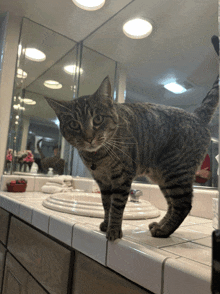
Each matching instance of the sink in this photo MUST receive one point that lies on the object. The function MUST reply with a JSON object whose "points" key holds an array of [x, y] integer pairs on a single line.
{"points": [[90, 204]]}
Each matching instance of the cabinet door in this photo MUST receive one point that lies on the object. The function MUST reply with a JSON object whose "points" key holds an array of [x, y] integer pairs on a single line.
{"points": [[2, 263], [47, 261], [4, 221], [17, 280], [90, 277]]}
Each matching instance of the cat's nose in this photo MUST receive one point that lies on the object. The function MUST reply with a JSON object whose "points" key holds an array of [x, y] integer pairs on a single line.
{"points": [[89, 139]]}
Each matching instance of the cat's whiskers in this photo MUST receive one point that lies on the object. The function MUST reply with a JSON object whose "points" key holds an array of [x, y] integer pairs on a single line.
{"points": [[114, 145], [121, 142], [110, 151]]}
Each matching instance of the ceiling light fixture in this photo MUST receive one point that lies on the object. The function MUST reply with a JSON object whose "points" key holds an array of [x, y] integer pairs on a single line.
{"points": [[29, 101], [34, 54], [137, 28], [89, 5], [72, 69], [21, 74], [175, 88], [52, 84]]}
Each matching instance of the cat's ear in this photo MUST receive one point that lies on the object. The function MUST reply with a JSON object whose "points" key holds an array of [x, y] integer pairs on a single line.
{"points": [[57, 105], [105, 88]]}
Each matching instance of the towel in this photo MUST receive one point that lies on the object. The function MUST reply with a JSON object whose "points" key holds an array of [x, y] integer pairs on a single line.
{"points": [[49, 189], [61, 179]]}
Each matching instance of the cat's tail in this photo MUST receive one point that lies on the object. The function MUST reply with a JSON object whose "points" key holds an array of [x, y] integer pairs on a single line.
{"points": [[39, 149], [209, 104]]}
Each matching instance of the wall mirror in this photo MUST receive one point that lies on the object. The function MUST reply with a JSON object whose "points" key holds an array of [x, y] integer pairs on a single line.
{"points": [[63, 71], [179, 49], [43, 57]]}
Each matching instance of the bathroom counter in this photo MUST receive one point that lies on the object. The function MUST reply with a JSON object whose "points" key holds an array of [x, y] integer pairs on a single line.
{"points": [[178, 264]]}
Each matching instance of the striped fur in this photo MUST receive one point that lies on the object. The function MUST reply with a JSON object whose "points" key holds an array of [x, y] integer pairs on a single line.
{"points": [[122, 141]]}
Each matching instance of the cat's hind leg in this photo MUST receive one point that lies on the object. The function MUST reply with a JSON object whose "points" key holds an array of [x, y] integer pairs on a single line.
{"points": [[179, 199]]}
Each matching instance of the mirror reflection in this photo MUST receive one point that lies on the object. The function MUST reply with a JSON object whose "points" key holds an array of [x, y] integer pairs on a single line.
{"points": [[175, 50], [46, 66]]}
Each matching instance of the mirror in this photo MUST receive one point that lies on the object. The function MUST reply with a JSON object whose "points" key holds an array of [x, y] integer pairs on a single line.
{"points": [[179, 49], [42, 57]]}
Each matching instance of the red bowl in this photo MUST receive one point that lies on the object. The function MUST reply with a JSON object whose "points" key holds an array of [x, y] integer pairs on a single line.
{"points": [[17, 188]]}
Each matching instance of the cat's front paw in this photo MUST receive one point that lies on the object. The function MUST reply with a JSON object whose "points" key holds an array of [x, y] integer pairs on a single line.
{"points": [[113, 234], [157, 231], [103, 227]]}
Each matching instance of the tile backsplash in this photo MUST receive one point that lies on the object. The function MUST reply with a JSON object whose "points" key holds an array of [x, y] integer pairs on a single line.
{"points": [[203, 203]]}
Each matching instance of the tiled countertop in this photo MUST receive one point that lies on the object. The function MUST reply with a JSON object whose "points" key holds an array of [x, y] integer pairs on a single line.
{"points": [[179, 264]]}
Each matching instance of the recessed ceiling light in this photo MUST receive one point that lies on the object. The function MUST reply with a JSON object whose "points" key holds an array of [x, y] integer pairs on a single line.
{"points": [[90, 5], [175, 88], [72, 69], [21, 74], [52, 84], [137, 28], [34, 54], [29, 101]]}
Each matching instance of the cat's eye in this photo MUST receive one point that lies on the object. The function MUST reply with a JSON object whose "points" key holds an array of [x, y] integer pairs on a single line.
{"points": [[97, 120], [74, 125]]}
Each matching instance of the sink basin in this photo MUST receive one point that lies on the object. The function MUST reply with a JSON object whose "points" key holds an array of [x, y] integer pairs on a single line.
{"points": [[90, 204]]}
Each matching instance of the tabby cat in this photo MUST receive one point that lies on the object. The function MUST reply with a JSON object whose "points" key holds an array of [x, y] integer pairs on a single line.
{"points": [[118, 142], [54, 162]]}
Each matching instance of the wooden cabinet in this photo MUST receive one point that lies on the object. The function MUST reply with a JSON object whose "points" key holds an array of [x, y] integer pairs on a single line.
{"points": [[2, 263], [90, 277], [17, 280], [33, 263], [45, 259], [4, 221]]}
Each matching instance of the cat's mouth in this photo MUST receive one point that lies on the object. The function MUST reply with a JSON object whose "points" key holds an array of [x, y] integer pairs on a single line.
{"points": [[93, 146]]}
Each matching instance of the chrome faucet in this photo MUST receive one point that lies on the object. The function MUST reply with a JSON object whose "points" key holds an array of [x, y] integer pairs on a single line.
{"points": [[135, 195]]}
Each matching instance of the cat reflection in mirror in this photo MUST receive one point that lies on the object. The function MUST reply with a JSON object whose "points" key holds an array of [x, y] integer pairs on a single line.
{"points": [[117, 142], [54, 162]]}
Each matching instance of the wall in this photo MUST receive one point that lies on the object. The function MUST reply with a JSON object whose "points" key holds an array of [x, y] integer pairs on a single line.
{"points": [[10, 30]]}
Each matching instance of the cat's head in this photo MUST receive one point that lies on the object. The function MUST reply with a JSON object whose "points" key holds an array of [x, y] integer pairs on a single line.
{"points": [[89, 121]]}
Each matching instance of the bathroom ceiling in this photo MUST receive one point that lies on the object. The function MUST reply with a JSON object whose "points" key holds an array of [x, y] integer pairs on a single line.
{"points": [[179, 47]]}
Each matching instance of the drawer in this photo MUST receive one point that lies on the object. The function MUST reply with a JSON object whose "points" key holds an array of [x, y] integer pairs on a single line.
{"points": [[45, 259], [18, 280], [4, 221]]}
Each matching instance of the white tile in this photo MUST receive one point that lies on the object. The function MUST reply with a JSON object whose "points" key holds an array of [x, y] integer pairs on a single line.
{"points": [[215, 217], [204, 241], [144, 237], [40, 220], [157, 198], [189, 233], [39, 182], [138, 263], [85, 184], [193, 220], [10, 205], [185, 277], [25, 212], [202, 228], [61, 229], [202, 203], [193, 251], [90, 242]]}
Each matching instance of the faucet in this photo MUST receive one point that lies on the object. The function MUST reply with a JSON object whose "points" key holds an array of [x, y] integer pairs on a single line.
{"points": [[135, 194]]}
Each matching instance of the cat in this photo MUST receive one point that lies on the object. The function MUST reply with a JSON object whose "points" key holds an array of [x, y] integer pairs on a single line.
{"points": [[117, 142], [54, 162]]}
